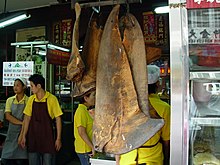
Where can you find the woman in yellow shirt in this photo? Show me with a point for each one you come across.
(83, 123)
(12, 154)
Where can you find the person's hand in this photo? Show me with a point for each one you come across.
(93, 153)
(23, 142)
(58, 144)
(19, 139)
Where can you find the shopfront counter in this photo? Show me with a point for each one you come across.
(102, 162)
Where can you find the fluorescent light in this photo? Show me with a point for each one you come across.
(58, 47)
(162, 9)
(12, 20)
(43, 53)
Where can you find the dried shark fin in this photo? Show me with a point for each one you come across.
(75, 66)
(120, 125)
(90, 55)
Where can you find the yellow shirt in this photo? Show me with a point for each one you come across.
(53, 105)
(10, 100)
(82, 118)
(154, 155)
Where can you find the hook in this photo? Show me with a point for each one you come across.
(90, 19)
(127, 6)
(95, 9)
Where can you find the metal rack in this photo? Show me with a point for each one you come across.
(31, 46)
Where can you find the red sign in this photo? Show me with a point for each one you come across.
(149, 28)
(57, 57)
(196, 4)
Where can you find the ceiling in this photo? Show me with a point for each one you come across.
(17, 5)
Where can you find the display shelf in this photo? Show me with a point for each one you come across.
(62, 90)
(210, 75)
(204, 117)
(206, 121)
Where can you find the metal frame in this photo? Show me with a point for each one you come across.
(31, 45)
(179, 82)
(102, 3)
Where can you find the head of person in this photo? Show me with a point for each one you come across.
(88, 99)
(20, 85)
(153, 78)
(37, 82)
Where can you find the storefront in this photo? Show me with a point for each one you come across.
(194, 43)
(58, 31)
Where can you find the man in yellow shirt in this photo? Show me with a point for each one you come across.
(42, 107)
(157, 149)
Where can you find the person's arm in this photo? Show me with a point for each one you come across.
(166, 151)
(12, 119)
(25, 129)
(117, 159)
(85, 137)
(21, 134)
(58, 142)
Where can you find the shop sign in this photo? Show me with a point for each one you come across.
(58, 57)
(195, 4)
(210, 35)
(12, 70)
(56, 33)
(66, 32)
(149, 28)
(62, 32)
(161, 30)
(155, 29)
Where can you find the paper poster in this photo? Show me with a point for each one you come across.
(13, 70)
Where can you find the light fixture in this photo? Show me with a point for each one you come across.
(13, 19)
(42, 53)
(162, 9)
(51, 46)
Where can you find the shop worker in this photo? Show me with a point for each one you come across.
(156, 150)
(42, 107)
(83, 123)
(12, 154)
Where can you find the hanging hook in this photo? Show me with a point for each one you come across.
(127, 6)
(97, 10)
(90, 19)
(5, 6)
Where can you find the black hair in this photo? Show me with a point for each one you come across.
(38, 79)
(152, 88)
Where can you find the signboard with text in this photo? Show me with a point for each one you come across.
(57, 57)
(196, 4)
(13, 70)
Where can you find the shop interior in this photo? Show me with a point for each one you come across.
(49, 24)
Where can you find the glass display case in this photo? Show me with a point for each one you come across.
(195, 82)
(204, 141)
(204, 86)
(62, 90)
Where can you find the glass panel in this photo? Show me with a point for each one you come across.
(204, 39)
(204, 58)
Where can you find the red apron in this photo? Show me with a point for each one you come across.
(40, 131)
